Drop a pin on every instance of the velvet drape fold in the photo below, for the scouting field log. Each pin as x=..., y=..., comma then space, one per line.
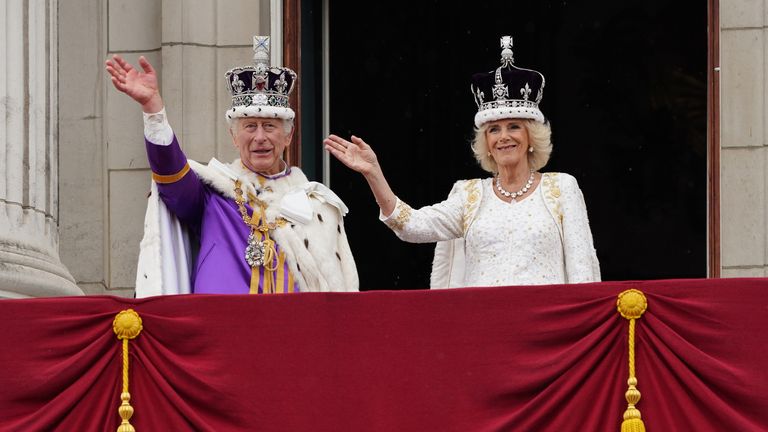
x=537, y=358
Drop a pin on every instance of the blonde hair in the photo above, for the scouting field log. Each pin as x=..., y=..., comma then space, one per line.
x=539, y=138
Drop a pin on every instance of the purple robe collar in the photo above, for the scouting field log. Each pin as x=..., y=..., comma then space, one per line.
x=286, y=171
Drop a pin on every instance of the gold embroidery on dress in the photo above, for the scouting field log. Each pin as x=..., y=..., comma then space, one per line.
x=470, y=207
x=403, y=216
x=552, y=189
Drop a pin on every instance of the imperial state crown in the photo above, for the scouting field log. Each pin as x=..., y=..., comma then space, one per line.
x=260, y=90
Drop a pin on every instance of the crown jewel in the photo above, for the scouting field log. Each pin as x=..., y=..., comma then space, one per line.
x=508, y=91
x=260, y=90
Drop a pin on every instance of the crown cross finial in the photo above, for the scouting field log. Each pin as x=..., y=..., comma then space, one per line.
x=507, y=57
x=261, y=52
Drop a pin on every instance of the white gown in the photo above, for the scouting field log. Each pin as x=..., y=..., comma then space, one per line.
x=483, y=241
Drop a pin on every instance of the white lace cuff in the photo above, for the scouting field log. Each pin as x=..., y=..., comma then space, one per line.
x=156, y=128
x=385, y=218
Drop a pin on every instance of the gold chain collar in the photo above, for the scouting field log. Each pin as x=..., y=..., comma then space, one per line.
x=261, y=249
x=257, y=222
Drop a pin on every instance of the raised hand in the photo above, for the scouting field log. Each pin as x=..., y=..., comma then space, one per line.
x=355, y=154
x=359, y=156
x=140, y=86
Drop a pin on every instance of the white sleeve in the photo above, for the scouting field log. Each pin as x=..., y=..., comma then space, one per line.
x=156, y=128
x=441, y=221
x=581, y=264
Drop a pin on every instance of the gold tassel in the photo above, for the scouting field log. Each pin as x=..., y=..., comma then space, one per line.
x=631, y=304
x=254, y=280
x=269, y=264
x=127, y=325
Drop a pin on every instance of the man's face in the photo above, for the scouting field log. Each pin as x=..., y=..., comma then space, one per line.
x=261, y=142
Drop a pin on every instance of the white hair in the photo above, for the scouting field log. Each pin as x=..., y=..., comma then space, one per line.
x=539, y=137
x=234, y=124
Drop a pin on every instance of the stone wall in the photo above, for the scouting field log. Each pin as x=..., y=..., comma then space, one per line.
x=29, y=200
x=104, y=171
x=743, y=137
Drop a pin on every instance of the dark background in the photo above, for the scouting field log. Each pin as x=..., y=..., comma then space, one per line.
x=625, y=94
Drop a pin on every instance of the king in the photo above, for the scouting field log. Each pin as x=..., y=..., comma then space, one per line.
x=255, y=225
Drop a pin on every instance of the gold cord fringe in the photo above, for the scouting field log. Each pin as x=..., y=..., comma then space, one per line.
x=631, y=304
x=127, y=325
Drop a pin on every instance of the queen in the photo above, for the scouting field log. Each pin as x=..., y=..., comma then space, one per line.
x=520, y=226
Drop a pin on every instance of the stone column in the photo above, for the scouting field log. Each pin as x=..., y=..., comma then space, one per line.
x=743, y=143
x=29, y=240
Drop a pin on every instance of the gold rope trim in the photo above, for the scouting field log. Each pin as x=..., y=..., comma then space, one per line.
x=171, y=178
x=127, y=325
x=631, y=304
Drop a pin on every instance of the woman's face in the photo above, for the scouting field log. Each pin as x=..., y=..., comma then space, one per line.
x=507, y=141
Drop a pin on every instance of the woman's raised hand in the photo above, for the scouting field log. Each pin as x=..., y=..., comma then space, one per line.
x=140, y=86
x=359, y=156
x=355, y=154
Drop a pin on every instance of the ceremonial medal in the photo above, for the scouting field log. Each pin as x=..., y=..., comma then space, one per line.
x=254, y=252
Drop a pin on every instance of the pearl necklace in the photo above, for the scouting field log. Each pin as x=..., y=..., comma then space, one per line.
x=518, y=193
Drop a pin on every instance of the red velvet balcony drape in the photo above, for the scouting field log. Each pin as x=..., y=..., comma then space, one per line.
x=548, y=358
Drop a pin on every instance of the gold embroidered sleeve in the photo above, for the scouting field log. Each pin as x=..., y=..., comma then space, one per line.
x=441, y=221
x=400, y=216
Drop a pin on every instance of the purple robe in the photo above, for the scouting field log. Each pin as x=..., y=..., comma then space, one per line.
x=220, y=267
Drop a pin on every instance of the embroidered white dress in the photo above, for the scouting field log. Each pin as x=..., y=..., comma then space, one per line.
x=514, y=243
x=484, y=241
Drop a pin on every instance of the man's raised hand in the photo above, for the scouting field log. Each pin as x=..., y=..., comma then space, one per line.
x=140, y=86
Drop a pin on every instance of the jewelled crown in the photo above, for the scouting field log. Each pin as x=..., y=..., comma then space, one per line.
x=260, y=90
x=509, y=91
